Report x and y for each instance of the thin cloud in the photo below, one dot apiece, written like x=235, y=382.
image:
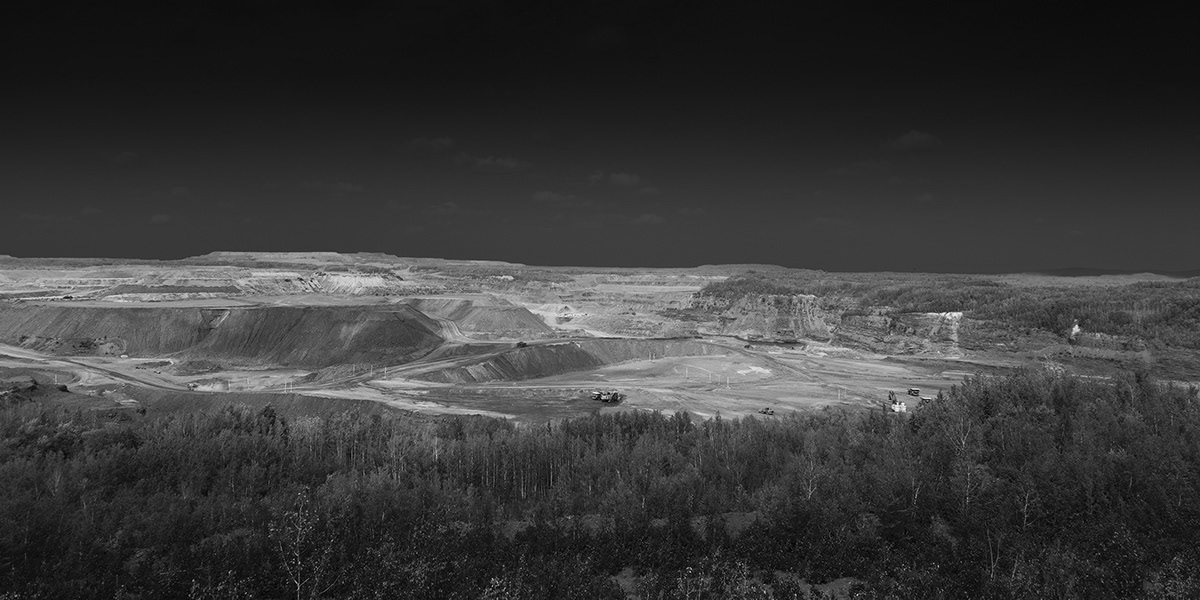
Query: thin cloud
x=89, y=211
x=925, y=197
x=160, y=219
x=493, y=164
x=548, y=196
x=625, y=179
x=692, y=211
x=395, y=205
x=650, y=191
x=649, y=219
x=914, y=140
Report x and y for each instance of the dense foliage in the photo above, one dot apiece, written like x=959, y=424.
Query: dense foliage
x=1030, y=486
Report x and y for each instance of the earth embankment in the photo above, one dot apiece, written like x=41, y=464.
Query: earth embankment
x=320, y=336
x=65, y=330
x=290, y=405
x=533, y=362
x=282, y=335
x=486, y=318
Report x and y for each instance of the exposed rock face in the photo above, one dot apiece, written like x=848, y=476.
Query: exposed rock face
x=774, y=317
x=901, y=333
x=1088, y=339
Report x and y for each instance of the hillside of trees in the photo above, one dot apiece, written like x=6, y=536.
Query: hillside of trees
x=1166, y=312
x=1034, y=485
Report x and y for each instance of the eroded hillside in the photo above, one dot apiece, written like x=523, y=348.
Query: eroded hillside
x=281, y=335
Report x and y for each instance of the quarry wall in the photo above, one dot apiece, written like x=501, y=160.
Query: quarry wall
x=772, y=317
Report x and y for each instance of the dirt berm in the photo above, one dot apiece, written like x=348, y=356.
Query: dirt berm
x=282, y=335
x=140, y=331
x=486, y=317
x=545, y=360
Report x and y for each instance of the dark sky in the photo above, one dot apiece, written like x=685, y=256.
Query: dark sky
x=956, y=136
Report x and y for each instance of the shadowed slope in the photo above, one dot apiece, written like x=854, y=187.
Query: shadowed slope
x=295, y=336
x=319, y=336
x=486, y=317
x=139, y=331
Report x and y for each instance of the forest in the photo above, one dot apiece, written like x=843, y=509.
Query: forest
x=1038, y=484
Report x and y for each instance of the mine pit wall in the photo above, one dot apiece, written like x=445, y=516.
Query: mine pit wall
x=290, y=336
x=934, y=327
x=544, y=361
x=454, y=309
x=504, y=322
x=771, y=317
x=320, y=336
x=902, y=333
x=486, y=317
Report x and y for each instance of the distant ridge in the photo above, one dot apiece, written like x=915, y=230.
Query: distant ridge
x=1097, y=272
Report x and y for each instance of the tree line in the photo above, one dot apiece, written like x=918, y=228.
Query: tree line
x=1033, y=485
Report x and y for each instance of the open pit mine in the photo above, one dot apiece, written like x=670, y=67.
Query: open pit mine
x=324, y=332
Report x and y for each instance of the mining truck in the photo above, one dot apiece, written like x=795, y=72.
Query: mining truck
x=607, y=396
